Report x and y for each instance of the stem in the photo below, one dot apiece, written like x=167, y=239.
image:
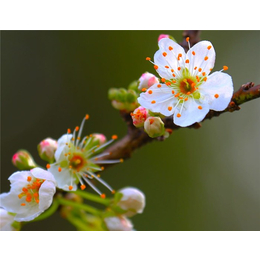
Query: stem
x=87, y=208
x=78, y=223
x=92, y=197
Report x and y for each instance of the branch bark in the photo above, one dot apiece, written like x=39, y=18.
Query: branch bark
x=136, y=137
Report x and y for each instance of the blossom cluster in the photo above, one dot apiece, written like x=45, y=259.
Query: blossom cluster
x=73, y=162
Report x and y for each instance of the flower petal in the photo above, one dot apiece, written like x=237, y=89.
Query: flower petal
x=202, y=55
x=46, y=192
x=43, y=174
x=168, y=57
x=63, y=178
x=159, y=100
x=218, y=89
x=191, y=113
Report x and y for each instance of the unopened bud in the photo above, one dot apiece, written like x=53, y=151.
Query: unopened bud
x=118, y=224
x=133, y=200
x=161, y=36
x=139, y=116
x=46, y=149
x=154, y=126
x=147, y=80
x=99, y=138
x=23, y=160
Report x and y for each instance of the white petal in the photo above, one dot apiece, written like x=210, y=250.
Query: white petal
x=170, y=59
x=42, y=174
x=190, y=113
x=63, y=178
x=46, y=192
x=198, y=60
x=221, y=84
x=64, y=139
x=163, y=98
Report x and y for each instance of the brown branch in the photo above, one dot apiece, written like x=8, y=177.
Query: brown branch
x=136, y=137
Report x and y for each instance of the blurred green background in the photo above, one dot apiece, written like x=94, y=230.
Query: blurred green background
x=206, y=179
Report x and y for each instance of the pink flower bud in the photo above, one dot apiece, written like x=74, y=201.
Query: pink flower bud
x=100, y=138
x=23, y=160
x=47, y=148
x=154, y=126
x=147, y=80
x=161, y=36
x=139, y=116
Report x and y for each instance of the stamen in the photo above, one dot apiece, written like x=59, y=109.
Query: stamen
x=150, y=92
x=148, y=58
x=169, y=108
x=155, y=67
x=144, y=89
x=70, y=187
x=68, y=131
x=209, y=47
x=76, y=128
x=83, y=187
x=48, y=166
x=163, y=79
x=216, y=95
x=159, y=85
x=164, y=54
x=193, y=53
x=103, y=195
x=29, y=178
x=178, y=115
x=199, y=107
x=153, y=102
x=225, y=67
x=59, y=169
x=114, y=137
x=206, y=57
x=170, y=48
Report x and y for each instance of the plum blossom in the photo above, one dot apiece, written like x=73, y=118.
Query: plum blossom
x=31, y=194
x=78, y=159
x=187, y=91
x=147, y=80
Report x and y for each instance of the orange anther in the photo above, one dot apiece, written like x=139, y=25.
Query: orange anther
x=179, y=55
x=114, y=137
x=205, y=79
x=216, y=95
x=153, y=102
x=148, y=58
x=199, y=107
x=195, y=68
x=187, y=39
x=193, y=53
x=150, y=92
x=102, y=168
x=173, y=92
x=163, y=80
x=159, y=85
x=83, y=187
x=170, y=48
x=121, y=160
x=206, y=57
x=113, y=191
x=177, y=94
x=87, y=117
x=225, y=67
x=173, y=74
x=168, y=83
x=77, y=128
x=187, y=61
x=186, y=99
x=203, y=73
x=103, y=196
x=28, y=198
x=172, y=70
x=169, y=108
x=23, y=204
x=69, y=131
x=200, y=69
x=188, y=93
x=155, y=67
x=29, y=178
x=178, y=115
x=70, y=187
x=167, y=67
x=209, y=47
x=144, y=89
x=59, y=169
x=48, y=166
x=173, y=81
x=164, y=54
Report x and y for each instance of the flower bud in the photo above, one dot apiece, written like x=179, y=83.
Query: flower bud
x=147, y=80
x=161, y=36
x=46, y=149
x=23, y=160
x=139, y=116
x=133, y=201
x=99, y=138
x=118, y=224
x=154, y=126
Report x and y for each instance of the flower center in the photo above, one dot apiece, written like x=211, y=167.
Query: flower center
x=187, y=86
x=31, y=190
x=77, y=162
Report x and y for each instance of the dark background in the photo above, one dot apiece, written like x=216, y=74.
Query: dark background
x=206, y=179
